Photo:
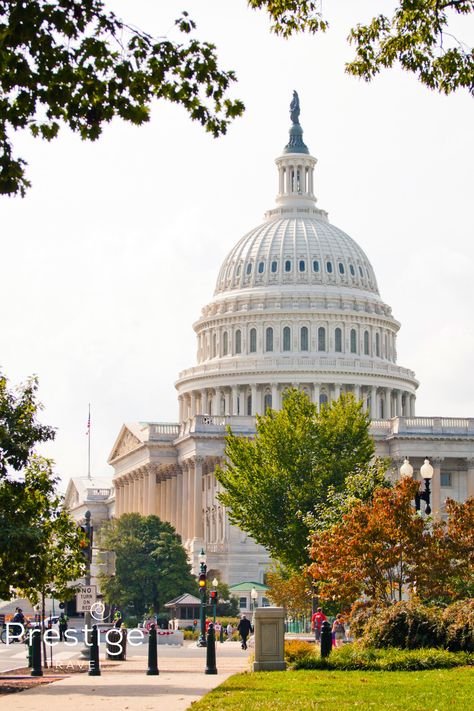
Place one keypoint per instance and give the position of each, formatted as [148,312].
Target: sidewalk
[125,687]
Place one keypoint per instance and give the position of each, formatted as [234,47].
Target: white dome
[296,250]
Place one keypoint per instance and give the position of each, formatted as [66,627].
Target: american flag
[89,422]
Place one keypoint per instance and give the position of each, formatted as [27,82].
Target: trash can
[117,642]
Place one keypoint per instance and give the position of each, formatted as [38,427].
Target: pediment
[126,442]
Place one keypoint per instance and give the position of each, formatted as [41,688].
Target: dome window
[274,267]
[377,345]
[286,339]
[352,270]
[329,267]
[302,265]
[315,265]
[361,272]
[253,340]
[237,271]
[338,340]
[366,343]
[261,267]
[341,268]
[238,341]
[249,268]
[304,338]
[321,339]
[269,339]
[225,343]
[288,265]
[353,341]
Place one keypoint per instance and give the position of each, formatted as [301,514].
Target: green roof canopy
[247,587]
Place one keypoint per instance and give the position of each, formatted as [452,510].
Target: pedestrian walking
[18,619]
[317,622]
[63,625]
[339,631]
[230,631]
[244,628]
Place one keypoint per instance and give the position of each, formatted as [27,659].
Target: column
[128,495]
[181,408]
[167,492]
[216,410]
[118,492]
[158,500]
[399,411]
[357,392]
[151,492]
[412,406]
[185,499]
[193,404]
[374,412]
[136,492]
[173,486]
[142,495]
[470,476]
[275,399]
[365,397]
[436,487]
[198,497]
[337,391]
[316,393]
[233,405]
[253,389]
[226,402]
[388,403]
[204,402]
[179,502]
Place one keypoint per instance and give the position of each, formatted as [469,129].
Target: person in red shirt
[317,622]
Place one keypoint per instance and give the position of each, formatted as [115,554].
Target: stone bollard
[326,639]
[269,639]
[94,665]
[36,653]
[152,653]
[221,635]
[211,652]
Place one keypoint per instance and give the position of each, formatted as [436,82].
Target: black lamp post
[202,580]
[215,583]
[426,472]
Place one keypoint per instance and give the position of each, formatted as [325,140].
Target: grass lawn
[441,690]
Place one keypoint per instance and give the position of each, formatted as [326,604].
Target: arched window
[286,339]
[249,405]
[238,341]
[361,272]
[288,266]
[323,399]
[261,267]
[353,341]
[321,339]
[352,270]
[341,268]
[366,343]
[225,343]
[377,345]
[269,339]
[214,345]
[382,408]
[267,402]
[253,340]
[329,267]
[304,338]
[315,265]
[237,271]
[338,340]
[249,268]
[274,267]
[302,265]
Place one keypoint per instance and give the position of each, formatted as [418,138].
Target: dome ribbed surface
[296,250]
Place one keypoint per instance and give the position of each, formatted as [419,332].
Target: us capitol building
[296,304]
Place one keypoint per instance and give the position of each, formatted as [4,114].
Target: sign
[86,597]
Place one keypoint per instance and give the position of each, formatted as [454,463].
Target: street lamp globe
[202,557]
[427,470]
[406,470]
[253,594]
[215,583]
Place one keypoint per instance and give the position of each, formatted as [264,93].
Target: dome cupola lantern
[296,166]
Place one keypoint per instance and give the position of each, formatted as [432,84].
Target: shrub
[355,657]
[189,634]
[360,615]
[296,649]
[406,625]
[458,620]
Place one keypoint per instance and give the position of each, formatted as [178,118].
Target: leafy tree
[151,566]
[19,427]
[273,481]
[41,551]
[417,36]
[227,604]
[384,548]
[74,63]
[289,589]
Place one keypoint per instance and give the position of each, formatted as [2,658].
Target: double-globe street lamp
[426,471]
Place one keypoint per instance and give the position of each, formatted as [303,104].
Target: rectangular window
[446,479]
[243,603]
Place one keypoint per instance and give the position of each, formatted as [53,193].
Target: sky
[108,260]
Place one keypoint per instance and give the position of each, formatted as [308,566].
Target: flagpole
[89,444]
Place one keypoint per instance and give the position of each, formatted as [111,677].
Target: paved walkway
[125,687]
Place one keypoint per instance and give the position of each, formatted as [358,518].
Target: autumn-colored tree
[384,548]
[292,590]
